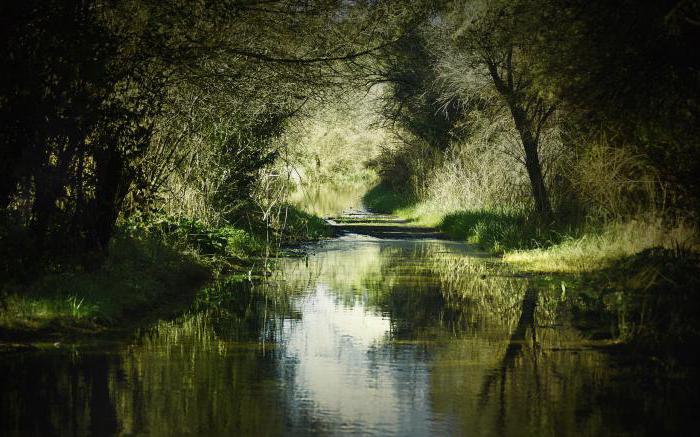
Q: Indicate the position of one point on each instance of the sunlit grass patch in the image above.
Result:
(597, 250)
(35, 311)
(494, 231)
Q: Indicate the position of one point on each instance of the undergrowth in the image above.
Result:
(152, 266)
(137, 275)
(382, 199)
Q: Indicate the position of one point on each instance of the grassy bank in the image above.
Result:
(153, 269)
(525, 241)
(641, 273)
(139, 277)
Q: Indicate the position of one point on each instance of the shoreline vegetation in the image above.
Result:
(147, 149)
(644, 268)
(154, 268)
(642, 271)
(524, 241)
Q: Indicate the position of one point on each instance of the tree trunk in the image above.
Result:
(526, 130)
(111, 186)
(532, 161)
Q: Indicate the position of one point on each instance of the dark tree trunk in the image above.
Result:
(532, 161)
(110, 189)
(528, 129)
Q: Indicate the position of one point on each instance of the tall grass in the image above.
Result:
(596, 250)
(608, 201)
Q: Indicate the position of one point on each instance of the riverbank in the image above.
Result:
(523, 240)
(642, 270)
(153, 269)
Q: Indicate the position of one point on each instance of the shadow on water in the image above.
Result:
(385, 337)
(515, 344)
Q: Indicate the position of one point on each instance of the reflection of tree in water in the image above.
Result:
(203, 373)
(550, 389)
(495, 355)
(216, 368)
(514, 348)
(57, 393)
(539, 373)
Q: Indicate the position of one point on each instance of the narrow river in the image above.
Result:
(376, 334)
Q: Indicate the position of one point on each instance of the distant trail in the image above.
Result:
(383, 226)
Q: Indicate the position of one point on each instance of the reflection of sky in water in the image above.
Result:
(346, 375)
(374, 345)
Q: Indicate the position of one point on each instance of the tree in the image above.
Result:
(412, 100)
(93, 91)
(489, 49)
(626, 70)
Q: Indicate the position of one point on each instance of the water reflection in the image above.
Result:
(328, 199)
(362, 336)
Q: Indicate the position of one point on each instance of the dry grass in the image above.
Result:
(599, 250)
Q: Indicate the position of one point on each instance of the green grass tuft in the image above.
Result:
(300, 225)
(382, 199)
(499, 232)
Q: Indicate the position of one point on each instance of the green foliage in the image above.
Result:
(499, 232)
(548, 75)
(76, 114)
(139, 278)
(109, 109)
(152, 260)
(382, 199)
(626, 73)
(300, 226)
(196, 237)
(412, 103)
(420, 120)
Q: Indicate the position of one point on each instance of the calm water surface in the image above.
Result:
(363, 336)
